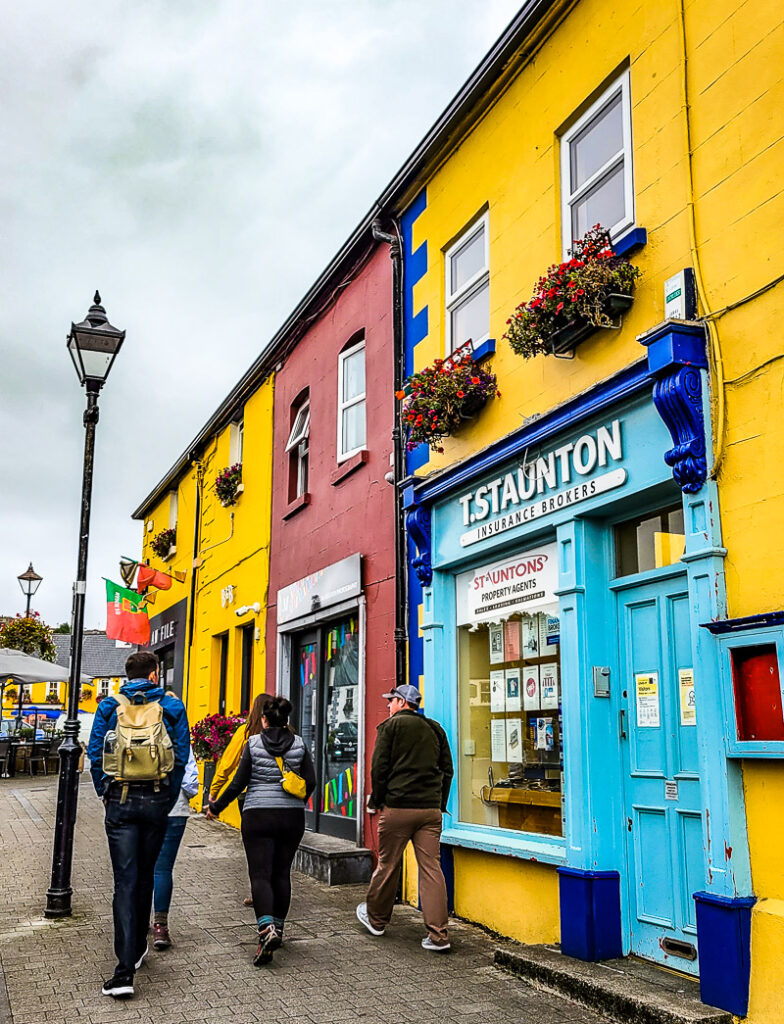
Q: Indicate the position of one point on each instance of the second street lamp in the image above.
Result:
(29, 581)
(93, 345)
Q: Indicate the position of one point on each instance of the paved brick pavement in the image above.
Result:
(329, 970)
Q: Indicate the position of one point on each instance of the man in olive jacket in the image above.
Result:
(411, 774)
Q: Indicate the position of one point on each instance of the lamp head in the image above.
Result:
(29, 581)
(93, 345)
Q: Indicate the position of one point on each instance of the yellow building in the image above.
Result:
(628, 488)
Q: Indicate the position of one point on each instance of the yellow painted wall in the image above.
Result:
(91, 690)
(233, 551)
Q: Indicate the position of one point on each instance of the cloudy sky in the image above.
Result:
(199, 163)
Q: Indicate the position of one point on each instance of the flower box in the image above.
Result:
(568, 337)
(589, 291)
(228, 484)
(163, 544)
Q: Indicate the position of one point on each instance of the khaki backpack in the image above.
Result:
(139, 748)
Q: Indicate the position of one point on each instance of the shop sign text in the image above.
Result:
(545, 485)
(525, 583)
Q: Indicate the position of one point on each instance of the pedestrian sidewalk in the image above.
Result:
(329, 970)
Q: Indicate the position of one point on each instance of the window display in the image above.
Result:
(511, 758)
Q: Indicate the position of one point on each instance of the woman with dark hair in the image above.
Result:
(273, 820)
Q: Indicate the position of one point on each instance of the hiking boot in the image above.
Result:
(119, 986)
(362, 915)
(435, 947)
(269, 941)
(160, 937)
(140, 961)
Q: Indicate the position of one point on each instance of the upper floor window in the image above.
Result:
(103, 687)
(597, 184)
(468, 288)
(173, 507)
(236, 439)
(298, 446)
(352, 432)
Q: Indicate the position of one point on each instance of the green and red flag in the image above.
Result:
(126, 617)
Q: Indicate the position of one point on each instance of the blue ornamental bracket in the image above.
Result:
(419, 530)
(676, 355)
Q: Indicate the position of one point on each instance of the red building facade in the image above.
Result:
(331, 603)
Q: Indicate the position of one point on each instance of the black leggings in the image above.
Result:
(271, 837)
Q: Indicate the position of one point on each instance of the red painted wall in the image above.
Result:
(357, 514)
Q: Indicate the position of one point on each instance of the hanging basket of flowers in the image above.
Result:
(441, 398)
(211, 735)
(574, 298)
(163, 542)
(228, 484)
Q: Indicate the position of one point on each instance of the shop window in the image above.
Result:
(468, 288)
(223, 669)
(246, 678)
(758, 705)
(510, 761)
(298, 447)
(596, 167)
(352, 428)
(650, 541)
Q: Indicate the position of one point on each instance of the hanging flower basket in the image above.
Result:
(228, 484)
(212, 734)
(589, 291)
(441, 398)
(163, 542)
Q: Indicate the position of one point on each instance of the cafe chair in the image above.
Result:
(5, 756)
(53, 753)
(38, 755)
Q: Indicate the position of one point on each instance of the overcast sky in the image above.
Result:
(199, 163)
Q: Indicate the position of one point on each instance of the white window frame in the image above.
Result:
(472, 285)
(53, 690)
(350, 402)
(236, 441)
(104, 685)
(299, 438)
(173, 509)
(568, 198)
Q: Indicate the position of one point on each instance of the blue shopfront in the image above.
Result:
(566, 571)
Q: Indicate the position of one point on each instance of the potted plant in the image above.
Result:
(163, 543)
(574, 298)
(228, 484)
(209, 738)
(439, 399)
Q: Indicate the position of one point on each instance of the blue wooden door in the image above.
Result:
(663, 824)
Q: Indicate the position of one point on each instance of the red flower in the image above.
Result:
(559, 307)
(474, 380)
(400, 394)
(461, 394)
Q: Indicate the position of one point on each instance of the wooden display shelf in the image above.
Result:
(520, 795)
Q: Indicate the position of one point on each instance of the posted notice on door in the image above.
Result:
(646, 686)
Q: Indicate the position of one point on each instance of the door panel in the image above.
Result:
(307, 708)
(662, 790)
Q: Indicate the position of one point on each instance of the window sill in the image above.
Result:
(297, 505)
(544, 850)
(347, 468)
(629, 242)
(484, 351)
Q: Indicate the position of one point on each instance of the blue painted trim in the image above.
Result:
(629, 382)
(418, 527)
(483, 351)
(675, 343)
(724, 940)
(766, 620)
(632, 240)
(542, 849)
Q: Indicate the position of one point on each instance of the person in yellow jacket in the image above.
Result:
(230, 758)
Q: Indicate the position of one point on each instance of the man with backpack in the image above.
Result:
(139, 747)
(411, 774)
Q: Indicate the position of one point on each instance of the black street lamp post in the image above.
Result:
(29, 581)
(93, 345)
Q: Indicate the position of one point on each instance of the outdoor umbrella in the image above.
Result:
(19, 668)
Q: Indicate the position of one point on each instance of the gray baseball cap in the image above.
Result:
(409, 694)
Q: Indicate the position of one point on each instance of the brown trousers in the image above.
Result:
(396, 827)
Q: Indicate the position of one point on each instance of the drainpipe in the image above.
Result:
(195, 461)
(395, 242)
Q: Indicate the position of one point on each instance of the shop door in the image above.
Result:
(326, 692)
(663, 824)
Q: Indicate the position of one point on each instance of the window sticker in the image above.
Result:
(513, 689)
(548, 686)
(688, 701)
(497, 692)
(496, 634)
(531, 688)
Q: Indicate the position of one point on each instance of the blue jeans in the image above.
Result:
(164, 865)
(135, 831)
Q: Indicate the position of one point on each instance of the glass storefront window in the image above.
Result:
(650, 541)
(510, 757)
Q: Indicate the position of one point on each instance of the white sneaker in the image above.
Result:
(434, 947)
(140, 961)
(362, 916)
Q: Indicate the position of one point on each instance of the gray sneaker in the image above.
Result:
(362, 916)
(435, 947)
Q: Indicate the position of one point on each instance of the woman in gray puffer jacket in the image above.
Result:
(273, 821)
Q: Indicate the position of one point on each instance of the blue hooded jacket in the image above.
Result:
(175, 719)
